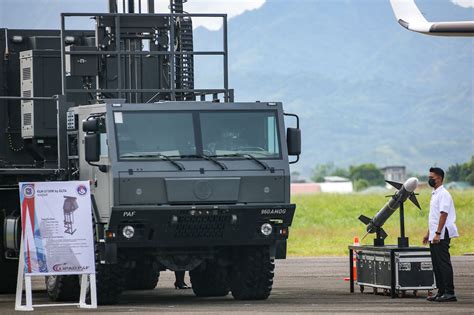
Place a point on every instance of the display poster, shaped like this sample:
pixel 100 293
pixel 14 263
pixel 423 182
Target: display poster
pixel 57 229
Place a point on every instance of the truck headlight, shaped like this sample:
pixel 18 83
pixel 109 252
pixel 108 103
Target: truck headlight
pixel 128 231
pixel 266 229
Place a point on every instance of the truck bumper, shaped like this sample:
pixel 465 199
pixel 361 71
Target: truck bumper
pixel 199 226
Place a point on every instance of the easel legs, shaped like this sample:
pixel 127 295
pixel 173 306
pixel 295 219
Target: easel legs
pixel 19 285
pixel 87 280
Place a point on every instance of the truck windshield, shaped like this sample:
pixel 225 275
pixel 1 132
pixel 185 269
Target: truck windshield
pixel 146 135
pixel 233 133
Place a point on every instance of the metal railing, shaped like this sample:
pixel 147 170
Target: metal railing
pixel 118 52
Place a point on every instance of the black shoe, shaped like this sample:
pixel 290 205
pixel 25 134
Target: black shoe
pixel 181 286
pixel 447 298
pixel 433 298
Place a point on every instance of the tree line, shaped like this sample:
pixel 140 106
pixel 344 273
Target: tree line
pixel 461 172
pixel 362 176
pixel 368 174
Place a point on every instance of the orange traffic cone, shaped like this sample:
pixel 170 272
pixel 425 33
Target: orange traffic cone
pixel 354 260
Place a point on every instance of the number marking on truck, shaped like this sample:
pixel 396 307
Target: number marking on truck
pixel 273 211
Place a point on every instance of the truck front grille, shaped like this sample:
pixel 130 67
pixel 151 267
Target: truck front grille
pixel 202 226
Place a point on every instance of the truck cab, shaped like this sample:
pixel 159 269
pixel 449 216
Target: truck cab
pixel 185 185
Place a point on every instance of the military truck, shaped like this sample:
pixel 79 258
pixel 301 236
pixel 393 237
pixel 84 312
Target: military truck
pixel 182 179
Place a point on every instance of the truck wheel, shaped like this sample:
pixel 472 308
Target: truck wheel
pixel 110 283
pixel 109 278
pixel 209 279
pixel 63 288
pixel 8 272
pixel 252 278
pixel 142 277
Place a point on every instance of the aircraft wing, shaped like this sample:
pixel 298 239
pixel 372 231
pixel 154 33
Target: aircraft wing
pixel 410 17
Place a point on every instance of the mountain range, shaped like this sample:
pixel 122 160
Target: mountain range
pixel 366 89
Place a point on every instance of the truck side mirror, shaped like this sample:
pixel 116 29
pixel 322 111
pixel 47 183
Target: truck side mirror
pixel 293 141
pixel 92 147
pixel 90 125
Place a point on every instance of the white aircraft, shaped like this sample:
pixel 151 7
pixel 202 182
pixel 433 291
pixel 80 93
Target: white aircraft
pixel 410 17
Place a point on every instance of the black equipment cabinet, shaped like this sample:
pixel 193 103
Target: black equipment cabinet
pixel 392 268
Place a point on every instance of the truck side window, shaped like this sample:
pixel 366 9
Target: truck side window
pixel 272 136
pixel 104 146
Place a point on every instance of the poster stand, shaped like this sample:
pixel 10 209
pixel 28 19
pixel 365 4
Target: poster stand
pixel 23 279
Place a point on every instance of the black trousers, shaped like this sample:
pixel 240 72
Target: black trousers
pixel 442 268
pixel 179 276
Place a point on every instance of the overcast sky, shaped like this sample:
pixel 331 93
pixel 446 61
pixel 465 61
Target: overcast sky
pixel 38 18
pixel 464 3
pixel 230 7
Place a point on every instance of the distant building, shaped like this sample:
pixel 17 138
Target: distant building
pixel 335 179
pixel 331 184
pixel 394 174
pixel 336 184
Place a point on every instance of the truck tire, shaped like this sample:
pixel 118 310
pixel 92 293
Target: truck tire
pixel 63 288
pixel 252 276
pixel 8 274
pixel 110 283
pixel 142 277
pixel 209 279
pixel 109 278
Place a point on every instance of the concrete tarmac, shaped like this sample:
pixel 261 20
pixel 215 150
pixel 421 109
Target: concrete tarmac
pixel 302 285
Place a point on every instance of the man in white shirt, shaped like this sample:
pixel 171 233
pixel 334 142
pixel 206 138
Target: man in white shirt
pixel 442 227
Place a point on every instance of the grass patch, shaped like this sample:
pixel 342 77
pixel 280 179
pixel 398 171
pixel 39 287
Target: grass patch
pixel 325 224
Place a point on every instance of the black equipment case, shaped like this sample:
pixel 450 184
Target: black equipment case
pixel 393 269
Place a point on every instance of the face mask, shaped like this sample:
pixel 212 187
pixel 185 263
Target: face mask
pixel 432 182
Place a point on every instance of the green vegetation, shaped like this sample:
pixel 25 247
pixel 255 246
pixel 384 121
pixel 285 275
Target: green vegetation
pixel 366 175
pixel 369 174
pixel 325 224
pixel 461 172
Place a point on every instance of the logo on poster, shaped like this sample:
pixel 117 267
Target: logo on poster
pixel 64 267
pixel 81 190
pixel 28 191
